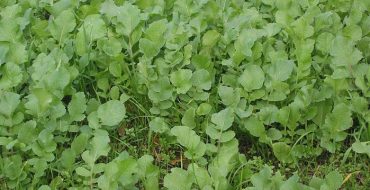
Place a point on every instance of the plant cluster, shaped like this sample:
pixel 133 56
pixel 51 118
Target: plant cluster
pixel 183 94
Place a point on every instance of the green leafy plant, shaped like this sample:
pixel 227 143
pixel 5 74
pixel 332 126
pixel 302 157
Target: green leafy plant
pixel 181 94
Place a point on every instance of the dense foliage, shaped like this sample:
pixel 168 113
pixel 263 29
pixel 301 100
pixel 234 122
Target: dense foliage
pixel 183 94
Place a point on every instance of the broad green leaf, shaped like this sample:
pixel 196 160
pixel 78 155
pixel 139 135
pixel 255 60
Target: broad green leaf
pixel 160 90
pixel 129 17
pixel 27 132
pixel 149 171
pixel 272 29
pixel 252 77
pixel 77 106
pixel 361 148
pixel 181 80
pixel 189 139
pixel 63 24
pixel 109 8
pixel 115 69
pixel 333 180
pixel 200 61
pixel 246 41
pixel 154 39
pixel 340 119
pixel 189 118
pixel 281 70
pixel 282 152
pixel 203 109
pixel 44 187
pixel 93 28
pixel 8 103
pixel 3 51
pixel 186 136
pixel 58 79
pixel 343 52
pixel 228 96
pixel 17 53
pixel 227 136
pixel 324 42
pixel 93 120
pixel 68 158
pixel 83 171
pixel 294 74
pixel 274 134
pixel 202 79
pixel 210 38
pixel 114 93
pixel 110 46
pixel 302 28
pixel 223 119
pixel 61 5
pixel 38 101
pixel 111 113
pixel 261 180
pixel 225 160
pixel 212 132
pixel 201 175
pixel 79 143
pixel 158 125
pixel 156 31
pixel 178 179
pixel 11 76
pixel 255 127
pixel 149 48
pixel 303 52
pixel 100 144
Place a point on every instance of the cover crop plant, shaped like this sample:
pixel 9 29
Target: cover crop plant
pixel 184 94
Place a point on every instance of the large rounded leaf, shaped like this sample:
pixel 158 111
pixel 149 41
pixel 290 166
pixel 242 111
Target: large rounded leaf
pixel 252 78
pixel 111 113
